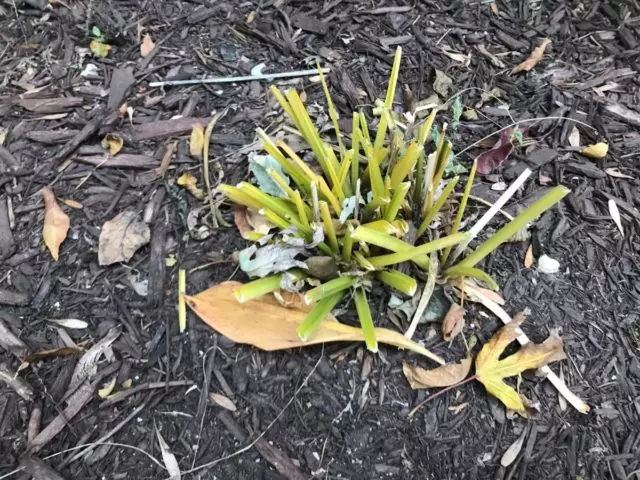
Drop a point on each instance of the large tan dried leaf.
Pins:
(56, 223)
(443, 376)
(491, 371)
(266, 324)
(121, 237)
(453, 322)
(533, 59)
(196, 143)
(146, 46)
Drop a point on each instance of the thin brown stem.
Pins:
(440, 392)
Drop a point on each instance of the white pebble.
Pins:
(548, 265)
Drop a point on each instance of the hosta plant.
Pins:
(363, 212)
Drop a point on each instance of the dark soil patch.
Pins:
(340, 412)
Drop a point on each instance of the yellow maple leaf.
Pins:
(491, 371)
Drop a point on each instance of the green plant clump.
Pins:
(358, 209)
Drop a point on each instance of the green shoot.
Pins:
(313, 320)
(366, 322)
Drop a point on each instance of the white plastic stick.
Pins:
(486, 218)
(242, 78)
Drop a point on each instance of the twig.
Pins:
(486, 203)
(88, 130)
(489, 214)
(205, 163)
(119, 396)
(440, 392)
(426, 296)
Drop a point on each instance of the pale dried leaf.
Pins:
(574, 137)
(528, 257)
(266, 324)
(443, 376)
(146, 46)
(87, 366)
(615, 172)
(260, 262)
(615, 215)
(453, 322)
(533, 59)
(240, 219)
(73, 323)
(258, 221)
(196, 143)
(121, 237)
(514, 449)
(56, 223)
(223, 401)
(169, 459)
(71, 203)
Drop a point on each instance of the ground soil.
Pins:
(334, 411)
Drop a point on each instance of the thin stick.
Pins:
(242, 78)
(489, 214)
(426, 296)
(440, 392)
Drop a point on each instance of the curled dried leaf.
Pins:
(188, 181)
(533, 59)
(196, 143)
(56, 223)
(453, 322)
(443, 376)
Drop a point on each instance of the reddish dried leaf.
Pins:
(493, 158)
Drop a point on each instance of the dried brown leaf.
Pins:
(223, 401)
(453, 322)
(56, 223)
(533, 59)
(443, 376)
(266, 324)
(196, 143)
(121, 237)
(528, 257)
(146, 46)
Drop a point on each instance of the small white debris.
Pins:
(548, 265)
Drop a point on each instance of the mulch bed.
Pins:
(334, 411)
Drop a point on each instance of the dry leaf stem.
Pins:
(440, 392)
